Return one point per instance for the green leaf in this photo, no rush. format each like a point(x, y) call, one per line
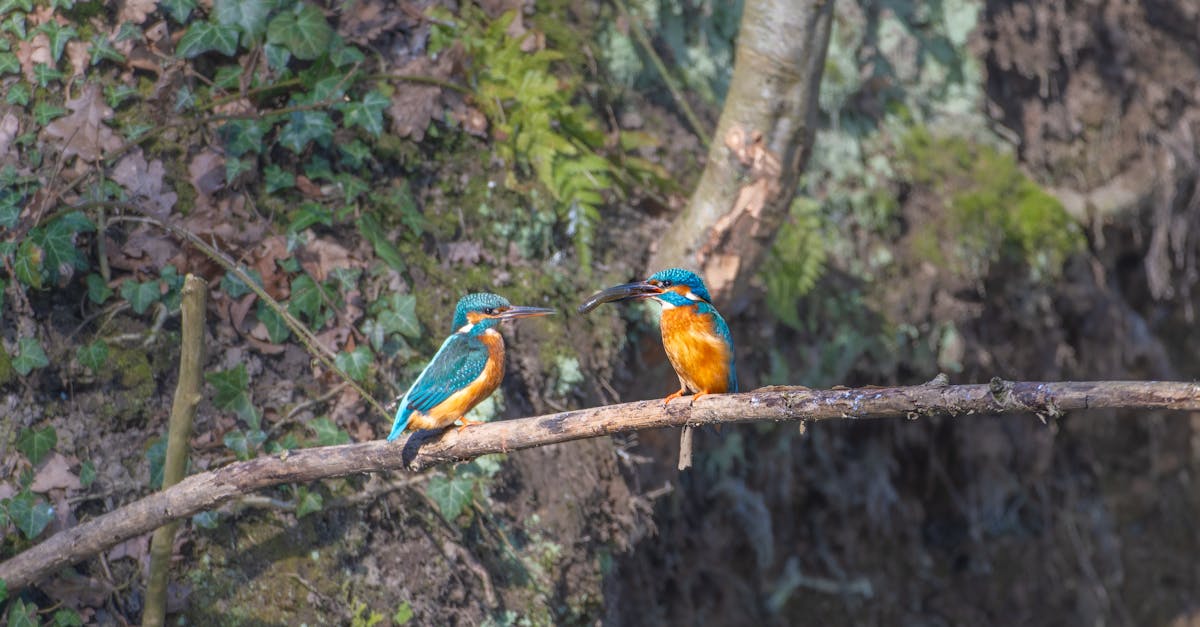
point(30, 514)
point(237, 288)
point(19, 94)
point(87, 474)
point(403, 614)
point(7, 6)
point(61, 252)
point(233, 393)
point(278, 57)
point(308, 502)
point(9, 63)
point(303, 31)
point(357, 364)
point(368, 113)
point(29, 356)
point(308, 214)
point(397, 313)
point(15, 24)
point(103, 49)
point(67, 618)
point(304, 127)
point(45, 112)
point(34, 444)
point(179, 10)
point(277, 178)
point(44, 74)
point(4, 584)
point(206, 520)
point(308, 298)
point(452, 494)
point(157, 456)
point(22, 614)
point(236, 441)
point(242, 136)
point(277, 330)
point(141, 295)
point(248, 15)
point(327, 432)
point(384, 249)
point(98, 291)
point(202, 37)
point(58, 35)
point(235, 167)
point(93, 356)
point(27, 264)
point(342, 56)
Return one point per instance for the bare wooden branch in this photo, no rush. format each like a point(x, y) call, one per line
point(179, 431)
point(425, 449)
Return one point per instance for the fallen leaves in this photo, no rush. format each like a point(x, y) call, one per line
point(55, 473)
point(144, 182)
point(83, 132)
point(414, 104)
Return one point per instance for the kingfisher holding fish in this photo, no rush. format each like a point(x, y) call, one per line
point(694, 334)
point(466, 369)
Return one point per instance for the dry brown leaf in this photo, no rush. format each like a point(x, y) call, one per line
point(144, 181)
point(362, 22)
point(133, 548)
point(266, 258)
point(207, 175)
point(76, 591)
point(414, 104)
point(319, 257)
point(79, 54)
point(468, 253)
point(83, 132)
point(145, 249)
point(10, 126)
point(136, 11)
point(33, 52)
point(55, 473)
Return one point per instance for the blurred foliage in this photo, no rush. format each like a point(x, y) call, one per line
point(992, 209)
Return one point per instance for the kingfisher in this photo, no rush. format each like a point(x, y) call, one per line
point(466, 369)
point(694, 334)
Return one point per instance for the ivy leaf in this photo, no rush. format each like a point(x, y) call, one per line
point(304, 127)
point(67, 617)
point(27, 265)
point(103, 49)
point(4, 584)
point(357, 364)
point(303, 31)
point(367, 113)
point(58, 243)
point(202, 37)
point(236, 287)
point(308, 297)
point(452, 494)
point(233, 393)
point(9, 63)
point(327, 432)
point(22, 614)
point(384, 249)
point(308, 214)
point(248, 15)
point(277, 178)
point(58, 35)
point(157, 456)
point(277, 330)
point(98, 291)
point(7, 6)
point(29, 356)
point(93, 356)
point(141, 295)
point(236, 441)
point(180, 10)
point(19, 94)
point(87, 474)
point(308, 502)
point(30, 514)
point(35, 444)
point(206, 520)
point(399, 315)
point(242, 136)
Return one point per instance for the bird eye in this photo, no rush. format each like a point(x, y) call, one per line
point(666, 284)
point(489, 311)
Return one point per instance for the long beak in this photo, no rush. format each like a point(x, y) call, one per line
point(523, 312)
point(627, 291)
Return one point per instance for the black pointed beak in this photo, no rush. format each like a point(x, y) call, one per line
point(627, 291)
point(523, 312)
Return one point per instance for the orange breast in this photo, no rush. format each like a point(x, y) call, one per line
point(464, 400)
point(700, 355)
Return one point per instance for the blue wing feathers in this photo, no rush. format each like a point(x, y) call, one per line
point(459, 361)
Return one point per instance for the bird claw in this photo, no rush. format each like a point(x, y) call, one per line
point(467, 423)
point(671, 397)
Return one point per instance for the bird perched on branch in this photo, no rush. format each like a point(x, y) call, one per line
point(694, 334)
point(466, 369)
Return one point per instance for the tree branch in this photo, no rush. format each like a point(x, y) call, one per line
point(425, 449)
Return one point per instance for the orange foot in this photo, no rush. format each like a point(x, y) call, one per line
point(673, 396)
point(696, 396)
point(466, 423)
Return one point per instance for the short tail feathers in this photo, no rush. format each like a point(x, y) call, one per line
point(403, 413)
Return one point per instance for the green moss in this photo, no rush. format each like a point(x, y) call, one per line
point(6, 369)
point(992, 210)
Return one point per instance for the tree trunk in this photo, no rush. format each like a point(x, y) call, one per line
point(761, 145)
